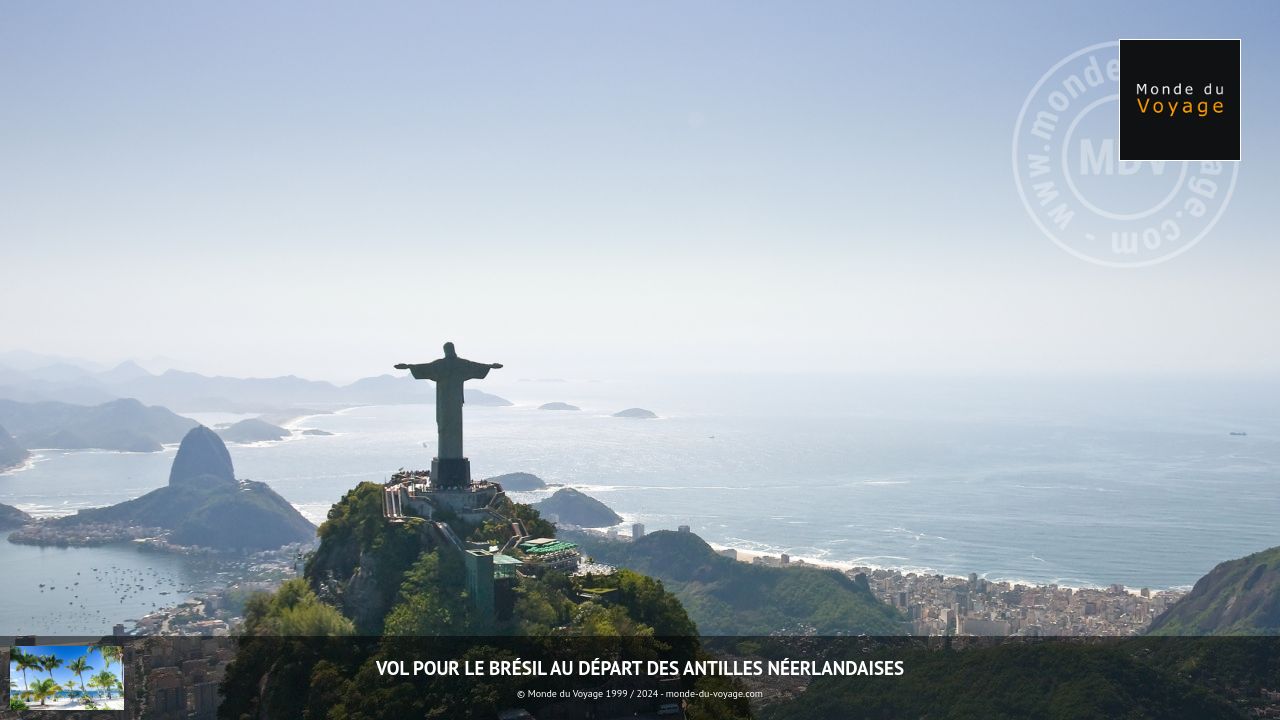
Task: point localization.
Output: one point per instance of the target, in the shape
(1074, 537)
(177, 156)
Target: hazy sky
(326, 189)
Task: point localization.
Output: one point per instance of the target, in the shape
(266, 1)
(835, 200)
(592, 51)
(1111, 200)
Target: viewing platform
(410, 493)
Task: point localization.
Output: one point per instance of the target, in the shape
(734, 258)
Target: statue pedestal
(450, 472)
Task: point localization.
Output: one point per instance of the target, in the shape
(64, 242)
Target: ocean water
(86, 591)
(1083, 482)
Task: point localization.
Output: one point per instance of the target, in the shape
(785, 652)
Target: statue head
(449, 351)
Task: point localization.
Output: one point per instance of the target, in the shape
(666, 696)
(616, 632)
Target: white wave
(27, 464)
(39, 510)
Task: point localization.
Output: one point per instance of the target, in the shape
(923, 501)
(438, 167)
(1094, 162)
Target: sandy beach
(116, 703)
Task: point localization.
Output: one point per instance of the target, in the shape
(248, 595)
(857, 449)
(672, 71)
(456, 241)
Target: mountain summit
(202, 459)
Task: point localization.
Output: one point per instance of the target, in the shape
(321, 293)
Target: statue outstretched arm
(425, 371)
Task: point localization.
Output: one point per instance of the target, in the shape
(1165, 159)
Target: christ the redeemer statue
(450, 468)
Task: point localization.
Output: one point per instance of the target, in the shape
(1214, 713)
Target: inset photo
(66, 677)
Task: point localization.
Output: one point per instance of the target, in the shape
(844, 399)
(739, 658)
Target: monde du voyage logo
(1124, 152)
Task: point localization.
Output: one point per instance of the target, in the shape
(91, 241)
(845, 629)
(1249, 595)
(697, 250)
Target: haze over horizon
(266, 190)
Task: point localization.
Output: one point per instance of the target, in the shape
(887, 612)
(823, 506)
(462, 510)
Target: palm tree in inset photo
(24, 661)
(106, 680)
(80, 666)
(44, 689)
(49, 663)
(111, 654)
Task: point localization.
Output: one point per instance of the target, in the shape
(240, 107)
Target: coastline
(293, 422)
(749, 556)
(936, 604)
(27, 463)
(845, 566)
(116, 703)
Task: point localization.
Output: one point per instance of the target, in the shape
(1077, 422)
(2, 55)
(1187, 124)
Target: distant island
(11, 453)
(558, 406)
(11, 517)
(253, 430)
(577, 508)
(125, 425)
(202, 507)
(639, 413)
(519, 481)
(317, 432)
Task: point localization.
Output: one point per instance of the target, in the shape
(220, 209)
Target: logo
(1180, 99)
(1092, 204)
